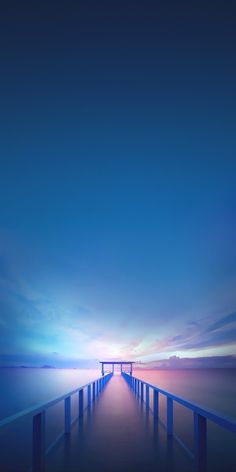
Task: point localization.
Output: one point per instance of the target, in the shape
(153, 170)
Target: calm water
(213, 388)
(21, 388)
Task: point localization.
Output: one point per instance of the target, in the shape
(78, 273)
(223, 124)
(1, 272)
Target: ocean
(24, 387)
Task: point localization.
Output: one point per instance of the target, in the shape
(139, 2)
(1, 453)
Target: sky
(117, 181)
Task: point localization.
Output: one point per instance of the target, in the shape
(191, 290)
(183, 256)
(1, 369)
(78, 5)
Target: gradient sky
(117, 180)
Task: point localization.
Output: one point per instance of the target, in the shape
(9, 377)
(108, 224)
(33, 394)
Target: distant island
(28, 367)
(171, 363)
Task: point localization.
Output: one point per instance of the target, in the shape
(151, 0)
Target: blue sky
(117, 182)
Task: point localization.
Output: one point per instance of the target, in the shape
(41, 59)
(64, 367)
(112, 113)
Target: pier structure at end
(121, 363)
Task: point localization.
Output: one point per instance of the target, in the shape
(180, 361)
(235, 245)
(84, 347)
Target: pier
(116, 427)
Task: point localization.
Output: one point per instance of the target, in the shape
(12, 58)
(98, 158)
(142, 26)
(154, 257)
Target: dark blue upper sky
(117, 179)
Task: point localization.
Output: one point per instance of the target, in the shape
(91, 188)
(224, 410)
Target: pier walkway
(116, 434)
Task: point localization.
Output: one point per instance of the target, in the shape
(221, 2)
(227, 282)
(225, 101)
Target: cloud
(205, 334)
(38, 321)
(175, 362)
(229, 319)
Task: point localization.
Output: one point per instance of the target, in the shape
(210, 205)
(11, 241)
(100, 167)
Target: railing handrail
(222, 420)
(38, 408)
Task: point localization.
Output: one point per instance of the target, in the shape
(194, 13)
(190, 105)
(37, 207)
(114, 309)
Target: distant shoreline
(137, 368)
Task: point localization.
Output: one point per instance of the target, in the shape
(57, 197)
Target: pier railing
(200, 415)
(38, 413)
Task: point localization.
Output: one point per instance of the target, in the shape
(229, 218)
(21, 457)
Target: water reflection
(118, 433)
(214, 388)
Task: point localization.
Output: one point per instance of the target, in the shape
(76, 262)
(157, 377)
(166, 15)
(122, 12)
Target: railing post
(155, 403)
(81, 402)
(141, 391)
(38, 444)
(94, 392)
(67, 414)
(89, 394)
(169, 416)
(200, 441)
(147, 397)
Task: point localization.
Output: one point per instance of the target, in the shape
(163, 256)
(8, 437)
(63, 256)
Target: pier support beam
(38, 446)
(141, 391)
(89, 395)
(169, 416)
(67, 415)
(147, 397)
(81, 403)
(155, 403)
(200, 442)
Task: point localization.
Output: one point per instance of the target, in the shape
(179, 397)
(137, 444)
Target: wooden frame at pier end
(121, 363)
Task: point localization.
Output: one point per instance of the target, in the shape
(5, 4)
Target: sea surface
(213, 388)
(21, 388)
(24, 387)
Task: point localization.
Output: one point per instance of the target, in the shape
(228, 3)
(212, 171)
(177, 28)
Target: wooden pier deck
(115, 434)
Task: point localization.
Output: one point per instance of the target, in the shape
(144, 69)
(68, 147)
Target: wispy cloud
(204, 334)
(41, 322)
